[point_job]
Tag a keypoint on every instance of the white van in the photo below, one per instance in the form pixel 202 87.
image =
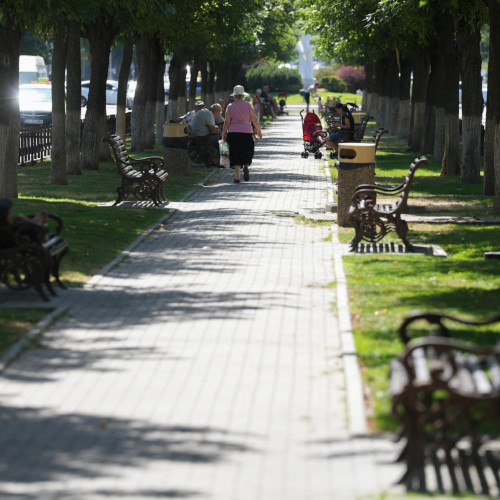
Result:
pixel 32 69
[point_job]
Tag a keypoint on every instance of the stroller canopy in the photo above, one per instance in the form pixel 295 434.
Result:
pixel 309 126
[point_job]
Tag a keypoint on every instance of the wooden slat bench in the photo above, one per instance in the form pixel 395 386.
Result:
pixel 30 255
pixel 142 178
pixel 444 392
pixel 372 220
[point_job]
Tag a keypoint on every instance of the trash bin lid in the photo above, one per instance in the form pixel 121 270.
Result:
pixel 174 130
pixel 356 152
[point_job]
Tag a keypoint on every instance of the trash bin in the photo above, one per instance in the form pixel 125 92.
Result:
pixel 356 165
pixel 175 151
pixel 357 117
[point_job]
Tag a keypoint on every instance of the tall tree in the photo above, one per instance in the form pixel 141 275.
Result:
pixel 58 170
pixel 15 17
pixel 101 31
pixel 73 100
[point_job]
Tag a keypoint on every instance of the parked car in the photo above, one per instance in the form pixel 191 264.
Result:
pixel 35 104
pixel 111 93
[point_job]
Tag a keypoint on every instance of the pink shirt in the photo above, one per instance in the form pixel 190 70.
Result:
pixel 240 117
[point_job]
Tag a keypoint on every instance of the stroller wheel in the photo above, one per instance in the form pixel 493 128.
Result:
pixel 306 155
pixel 319 155
pixel 302 154
pixel 333 155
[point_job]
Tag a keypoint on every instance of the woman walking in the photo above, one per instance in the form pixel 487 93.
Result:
pixel 239 134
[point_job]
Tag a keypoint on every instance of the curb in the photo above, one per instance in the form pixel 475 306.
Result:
pixel 105 270
pixel 14 351
pixel 356 413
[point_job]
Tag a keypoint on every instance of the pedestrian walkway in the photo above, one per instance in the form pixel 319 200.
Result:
pixel 209 362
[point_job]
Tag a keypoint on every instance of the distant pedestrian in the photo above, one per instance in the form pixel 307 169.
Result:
pixel 307 95
pixel 238 132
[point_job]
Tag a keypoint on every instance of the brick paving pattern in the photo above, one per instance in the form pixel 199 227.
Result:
pixel 207 364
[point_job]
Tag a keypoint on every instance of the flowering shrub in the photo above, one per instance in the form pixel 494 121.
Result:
pixel 353 77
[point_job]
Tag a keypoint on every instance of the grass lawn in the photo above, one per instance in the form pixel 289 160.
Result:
pixel 383 289
pixel 96 235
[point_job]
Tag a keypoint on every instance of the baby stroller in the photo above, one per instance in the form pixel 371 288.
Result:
pixel 282 103
pixel 310 133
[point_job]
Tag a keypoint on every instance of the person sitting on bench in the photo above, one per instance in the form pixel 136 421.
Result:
pixel 344 129
pixel 203 125
pixel 35 227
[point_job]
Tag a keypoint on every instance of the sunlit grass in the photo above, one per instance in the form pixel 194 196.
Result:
pixel 384 289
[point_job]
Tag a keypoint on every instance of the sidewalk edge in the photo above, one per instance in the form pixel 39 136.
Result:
pixel 356 412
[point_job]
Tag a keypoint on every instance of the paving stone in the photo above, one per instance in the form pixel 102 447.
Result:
pixel 207 363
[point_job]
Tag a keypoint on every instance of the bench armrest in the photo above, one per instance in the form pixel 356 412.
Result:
pixel 154 163
pixel 437 319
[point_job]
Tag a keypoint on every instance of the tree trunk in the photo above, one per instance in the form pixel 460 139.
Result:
pixel 59 55
pixel 100 34
pixel 493 100
pixel 392 92
pixel 156 64
pixel 431 100
pixel 160 101
pixel 419 91
pixel 439 136
pixel 491 155
pixel 439 60
pixel 369 89
pixel 404 114
pixel 177 75
pixel 204 81
pixel 211 82
pixel 379 113
pixel 469 41
pixel 73 100
pixel 121 99
pixel 10 40
pixel 195 69
pixel 451 159
pixel 138 120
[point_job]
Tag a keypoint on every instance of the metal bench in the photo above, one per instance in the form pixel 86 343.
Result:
pixel 377 135
pixel 372 220
pixel 445 395
pixel 31 254
pixel 142 178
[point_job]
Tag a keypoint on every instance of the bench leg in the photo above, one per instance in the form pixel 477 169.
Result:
pixel 402 230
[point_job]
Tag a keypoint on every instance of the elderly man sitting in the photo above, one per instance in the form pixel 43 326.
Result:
pixel 204 131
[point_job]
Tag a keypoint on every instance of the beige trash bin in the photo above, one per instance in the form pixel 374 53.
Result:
pixel 175 151
pixel 356 165
pixel 357 117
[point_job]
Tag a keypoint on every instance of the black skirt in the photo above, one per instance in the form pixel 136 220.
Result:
pixel 241 148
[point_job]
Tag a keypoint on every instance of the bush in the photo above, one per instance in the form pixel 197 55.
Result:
pixel 320 73
pixel 333 84
pixel 278 79
pixel 353 77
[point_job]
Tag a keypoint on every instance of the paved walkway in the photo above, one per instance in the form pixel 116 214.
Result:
pixel 208 363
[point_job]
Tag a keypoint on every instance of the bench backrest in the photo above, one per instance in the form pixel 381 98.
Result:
pixel 119 152
pixel 406 185
pixel 377 135
pixel 439 320
pixel 359 131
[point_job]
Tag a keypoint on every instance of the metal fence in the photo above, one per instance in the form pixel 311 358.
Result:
pixel 35 143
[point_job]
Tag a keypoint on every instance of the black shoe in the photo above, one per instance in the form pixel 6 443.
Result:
pixel 236 181
pixel 246 173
